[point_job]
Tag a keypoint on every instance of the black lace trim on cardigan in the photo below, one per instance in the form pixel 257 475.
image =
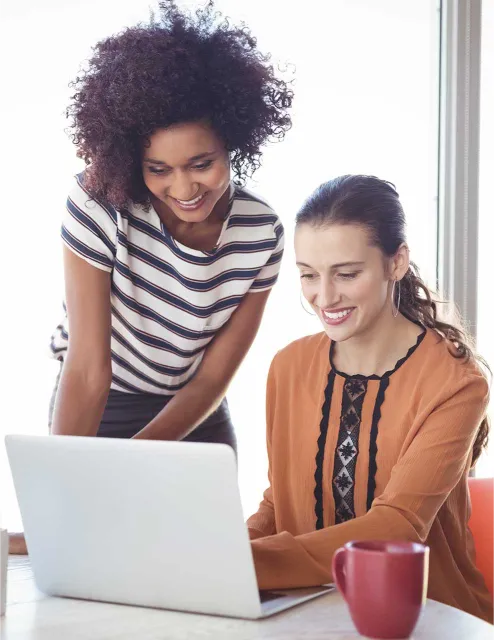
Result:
pixel 376 416
pixel 321 444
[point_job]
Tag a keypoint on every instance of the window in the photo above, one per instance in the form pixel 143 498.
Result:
pixel 486 218
pixel 366 102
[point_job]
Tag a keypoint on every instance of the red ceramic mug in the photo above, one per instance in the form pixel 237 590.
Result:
pixel 384 584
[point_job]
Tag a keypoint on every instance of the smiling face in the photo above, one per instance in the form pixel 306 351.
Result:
pixel 186 168
pixel 345 278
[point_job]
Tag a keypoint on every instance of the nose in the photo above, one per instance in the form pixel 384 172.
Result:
pixel 327 295
pixel 182 187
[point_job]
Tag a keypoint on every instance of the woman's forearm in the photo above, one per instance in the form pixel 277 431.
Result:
pixel 17 544
pixel 202 395
pixel 185 411
pixel 80 402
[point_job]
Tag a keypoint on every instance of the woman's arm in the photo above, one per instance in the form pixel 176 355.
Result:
pixel 86 373
pixel 436 460
pixel 202 395
pixel 17 544
pixel 263 522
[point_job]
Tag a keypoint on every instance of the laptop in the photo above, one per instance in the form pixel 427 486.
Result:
pixel 155 524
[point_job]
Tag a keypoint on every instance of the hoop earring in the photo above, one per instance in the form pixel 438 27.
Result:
pixel 396 307
pixel 302 305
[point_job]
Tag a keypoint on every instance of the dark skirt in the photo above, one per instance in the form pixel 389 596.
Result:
pixel 126 414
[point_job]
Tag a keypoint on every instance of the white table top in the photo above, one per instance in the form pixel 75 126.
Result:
pixel 33 616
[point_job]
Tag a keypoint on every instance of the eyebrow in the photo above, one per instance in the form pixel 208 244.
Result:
pixel 339 265
pixel 199 156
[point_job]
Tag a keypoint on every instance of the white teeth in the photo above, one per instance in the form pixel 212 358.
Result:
pixel 190 202
pixel 336 316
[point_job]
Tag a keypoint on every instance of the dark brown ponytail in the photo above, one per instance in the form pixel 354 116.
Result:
pixel 418 305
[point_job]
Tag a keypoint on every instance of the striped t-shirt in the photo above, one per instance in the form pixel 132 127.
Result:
pixel 167 300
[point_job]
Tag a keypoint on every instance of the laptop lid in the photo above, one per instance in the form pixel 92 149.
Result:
pixel 139 522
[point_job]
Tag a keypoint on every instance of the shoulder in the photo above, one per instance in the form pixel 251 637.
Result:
pixel 82 203
pixel 251 199
pixel 251 210
pixel 302 358
pixel 444 374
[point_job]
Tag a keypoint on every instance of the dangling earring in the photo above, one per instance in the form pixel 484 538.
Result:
pixel 302 304
pixel 396 307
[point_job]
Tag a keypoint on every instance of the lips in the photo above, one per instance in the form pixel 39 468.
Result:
pixel 190 205
pixel 338 316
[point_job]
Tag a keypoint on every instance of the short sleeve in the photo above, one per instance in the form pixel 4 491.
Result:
pixel 268 275
pixel 89 228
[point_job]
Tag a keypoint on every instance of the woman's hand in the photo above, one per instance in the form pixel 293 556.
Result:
pixel 17 544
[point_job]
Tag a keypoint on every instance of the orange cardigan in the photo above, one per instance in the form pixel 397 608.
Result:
pixel 370 458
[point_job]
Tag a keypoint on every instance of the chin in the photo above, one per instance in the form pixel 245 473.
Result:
pixel 343 332
pixel 338 336
pixel 192 217
pixel 199 215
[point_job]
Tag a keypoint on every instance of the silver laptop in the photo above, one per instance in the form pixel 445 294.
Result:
pixel 156 524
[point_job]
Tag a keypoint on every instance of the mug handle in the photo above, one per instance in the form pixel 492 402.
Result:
pixel 338 568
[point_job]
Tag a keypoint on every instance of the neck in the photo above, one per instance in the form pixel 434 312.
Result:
pixel 378 349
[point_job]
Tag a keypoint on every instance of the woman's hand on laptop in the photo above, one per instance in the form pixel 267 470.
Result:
pixel 17 544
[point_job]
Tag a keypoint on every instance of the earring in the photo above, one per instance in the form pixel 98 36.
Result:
pixel 396 307
pixel 302 304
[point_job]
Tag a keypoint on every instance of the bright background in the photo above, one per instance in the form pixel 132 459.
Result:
pixel 366 102
pixel 485 329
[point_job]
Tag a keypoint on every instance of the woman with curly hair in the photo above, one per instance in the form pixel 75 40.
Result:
pixel 168 262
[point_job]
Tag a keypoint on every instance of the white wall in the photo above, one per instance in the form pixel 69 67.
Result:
pixel 365 102
pixel 486 214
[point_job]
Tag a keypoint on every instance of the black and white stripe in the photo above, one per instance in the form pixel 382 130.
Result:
pixel 168 300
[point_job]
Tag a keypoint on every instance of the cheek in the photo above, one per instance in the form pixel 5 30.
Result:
pixel 151 182
pixel 309 289
pixel 367 291
pixel 218 177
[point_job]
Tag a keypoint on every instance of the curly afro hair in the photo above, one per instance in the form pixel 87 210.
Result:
pixel 180 67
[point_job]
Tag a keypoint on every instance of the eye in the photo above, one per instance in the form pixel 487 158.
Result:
pixel 158 172
pixel 348 276
pixel 202 165
pixel 307 276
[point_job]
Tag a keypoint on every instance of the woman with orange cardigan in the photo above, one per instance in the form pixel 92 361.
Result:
pixel 374 424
